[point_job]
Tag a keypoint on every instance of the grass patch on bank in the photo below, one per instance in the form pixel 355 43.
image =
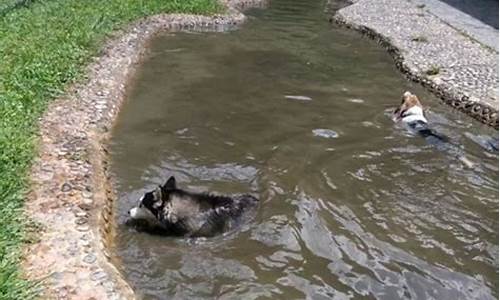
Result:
pixel 433 70
pixel 43 47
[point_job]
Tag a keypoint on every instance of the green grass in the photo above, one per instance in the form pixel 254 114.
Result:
pixel 420 39
pixel 433 70
pixel 44 45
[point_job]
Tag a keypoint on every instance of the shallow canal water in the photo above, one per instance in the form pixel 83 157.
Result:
pixel 352 205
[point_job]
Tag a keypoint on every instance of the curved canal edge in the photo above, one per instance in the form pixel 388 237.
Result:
pixel 458 69
pixel 71 198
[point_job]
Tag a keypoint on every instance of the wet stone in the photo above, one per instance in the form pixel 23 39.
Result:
pixel 85 243
pixel 72 250
pixel 88 201
pixel 89 258
pixel 82 228
pixel 81 214
pixel 66 187
pixel 46 175
pixel 109 286
pixel 98 276
pixel 81 221
pixel 57 275
pixel 325 133
pixel 85 206
pixel 85 237
pixel 355 100
pixel 87 194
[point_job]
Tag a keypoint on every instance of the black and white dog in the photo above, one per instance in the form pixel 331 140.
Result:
pixel 411 113
pixel 172 211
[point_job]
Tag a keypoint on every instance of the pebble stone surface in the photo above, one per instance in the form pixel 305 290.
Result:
pixel 458 69
pixel 71 199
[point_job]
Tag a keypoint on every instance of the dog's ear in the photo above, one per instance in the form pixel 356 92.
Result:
pixel 170 184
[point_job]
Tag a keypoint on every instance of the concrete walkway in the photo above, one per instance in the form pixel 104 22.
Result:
pixel 481 32
pixel 433 43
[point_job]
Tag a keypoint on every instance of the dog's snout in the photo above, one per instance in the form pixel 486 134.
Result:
pixel 128 212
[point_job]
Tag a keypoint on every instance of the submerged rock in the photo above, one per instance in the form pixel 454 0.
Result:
pixel 298 97
pixel 325 133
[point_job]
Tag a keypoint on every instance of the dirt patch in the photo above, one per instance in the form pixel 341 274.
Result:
pixel 71 198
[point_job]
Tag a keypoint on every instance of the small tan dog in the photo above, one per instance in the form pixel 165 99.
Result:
pixel 410 110
pixel 411 113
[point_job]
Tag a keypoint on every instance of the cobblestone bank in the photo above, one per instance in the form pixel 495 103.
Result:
pixel 71 198
pixel 461 71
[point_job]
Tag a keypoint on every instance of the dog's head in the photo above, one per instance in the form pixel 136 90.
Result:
pixel 410 105
pixel 153 205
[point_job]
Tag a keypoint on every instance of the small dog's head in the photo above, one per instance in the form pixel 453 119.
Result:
pixel 153 204
pixel 408 102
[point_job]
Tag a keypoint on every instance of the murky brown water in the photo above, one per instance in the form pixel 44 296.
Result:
pixel 361 209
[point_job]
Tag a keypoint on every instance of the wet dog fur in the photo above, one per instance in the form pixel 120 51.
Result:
pixel 411 113
pixel 169 210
